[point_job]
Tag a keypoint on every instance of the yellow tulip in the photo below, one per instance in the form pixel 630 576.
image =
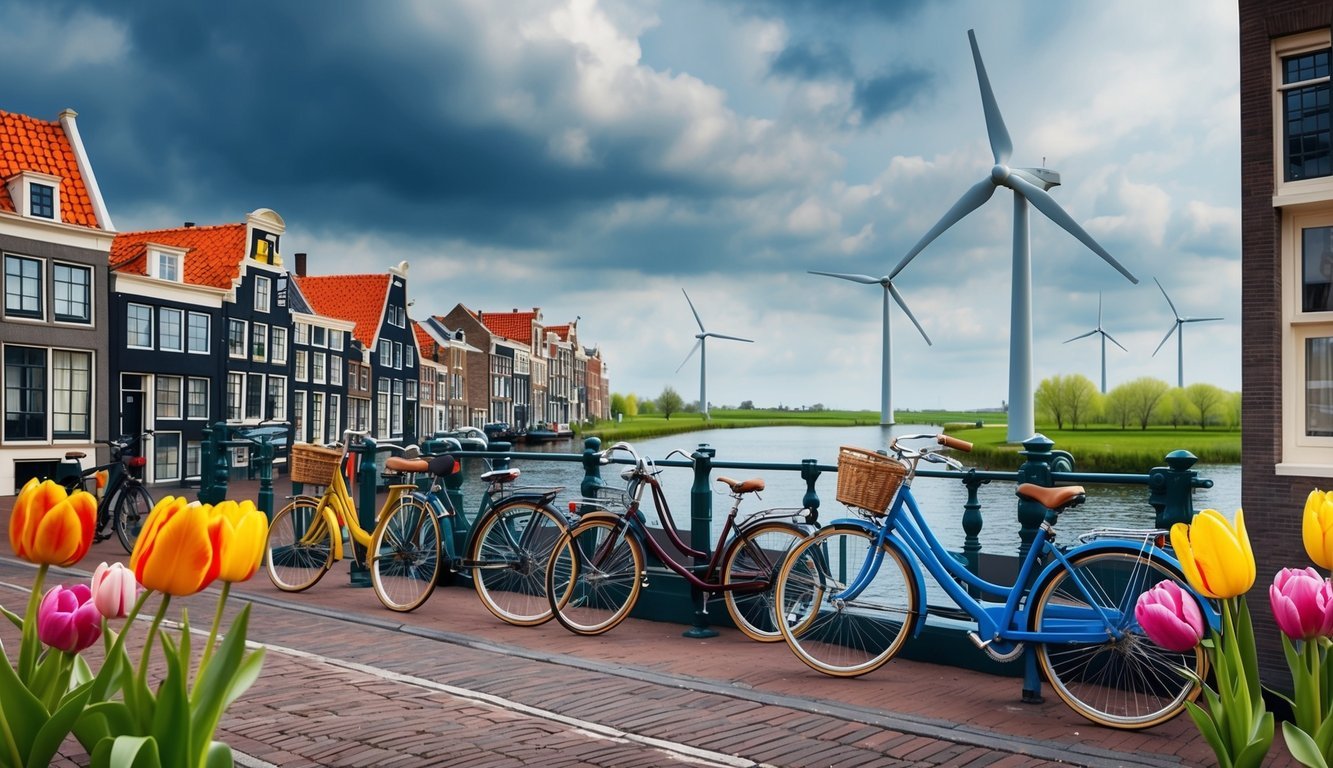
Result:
pixel 175 553
pixel 244 539
pixel 49 526
pixel 1317 528
pixel 1215 555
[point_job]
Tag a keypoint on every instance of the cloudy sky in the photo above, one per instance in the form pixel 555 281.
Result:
pixel 595 157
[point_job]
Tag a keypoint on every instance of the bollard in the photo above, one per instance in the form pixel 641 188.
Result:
pixel 500 446
pixel 701 524
pixel 972 523
pixel 1171 489
pixel 1036 470
pixel 367 477
pixel 810 474
pixel 214 477
pixel 265 500
pixel 592 483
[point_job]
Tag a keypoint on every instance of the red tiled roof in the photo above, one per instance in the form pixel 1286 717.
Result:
pixel 359 298
pixel 425 343
pixel 516 326
pixel 561 331
pixel 29 144
pixel 213 257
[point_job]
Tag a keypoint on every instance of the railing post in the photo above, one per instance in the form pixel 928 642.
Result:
pixel 810 474
pixel 701 525
pixel 367 477
pixel 972 522
pixel 1171 489
pixel 592 483
pixel 499 446
pixel 1036 470
pixel 216 474
pixel 265 500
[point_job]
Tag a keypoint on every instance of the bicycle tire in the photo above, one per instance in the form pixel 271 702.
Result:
pixel 757 554
pixel 595 575
pixel 405 555
pixel 1130 683
pixel 299 547
pixel 508 558
pixel 131 512
pixel 844 637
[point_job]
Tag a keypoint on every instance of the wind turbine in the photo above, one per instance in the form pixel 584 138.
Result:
pixel 885 400
pixel 1177 329
pixel 703 335
pixel 1029 185
pixel 1104 335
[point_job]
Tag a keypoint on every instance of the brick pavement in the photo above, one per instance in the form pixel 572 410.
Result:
pixel 347 683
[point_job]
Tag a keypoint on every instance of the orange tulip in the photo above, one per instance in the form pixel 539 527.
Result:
pixel 176 552
pixel 49 526
pixel 244 539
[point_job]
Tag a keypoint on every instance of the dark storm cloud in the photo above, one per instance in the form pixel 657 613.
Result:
pixel 880 96
pixel 882 10
pixel 811 61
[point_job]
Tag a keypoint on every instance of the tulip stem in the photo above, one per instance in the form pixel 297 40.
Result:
pixel 213 635
pixel 14 757
pixel 30 646
pixel 152 635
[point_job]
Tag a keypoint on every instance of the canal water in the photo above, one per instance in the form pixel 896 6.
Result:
pixel 941 500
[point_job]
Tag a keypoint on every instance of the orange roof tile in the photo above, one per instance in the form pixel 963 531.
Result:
pixel 29 144
pixel 358 298
pixel 561 331
pixel 213 256
pixel 516 326
pixel 424 341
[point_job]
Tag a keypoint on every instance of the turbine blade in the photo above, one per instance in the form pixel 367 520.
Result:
pixel 724 336
pixel 693 349
pixel 867 279
pixel 1047 205
pixel 1174 326
pixel 1000 144
pixel 971 200
pixel 1199 319
pixel 1169 303
pixel 898 297
pixel 692 309
pixel 1099 309
pixel 1081 336
pixel 1113 341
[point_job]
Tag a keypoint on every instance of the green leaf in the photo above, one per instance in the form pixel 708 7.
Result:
pixel 14 618
pixel 219 756
pixel 1323 738
pixel 1209 731
pixel 21 716
pixel 52 735
pixel 171 719
pixel 228 674
pixel 104 720
pixel 127 752
pixel 1302 747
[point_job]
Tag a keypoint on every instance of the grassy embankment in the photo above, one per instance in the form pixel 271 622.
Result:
pixel 1099 448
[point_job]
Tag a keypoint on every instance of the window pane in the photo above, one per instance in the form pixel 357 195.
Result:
pixel 139 326
pixel 23 286
pixel 1319 387
pixel 197 404
pixel 1306 113
pixel 25 393
pixel 262 291
pixel 43 200
pixel 277 398
pixel 72 379
pixel 169 332
pixel 279 350
pixel 168 396
pixel 166 456
pixel 199 332
pixel 235 383
pixel 236 338
pixel 259 342
pixel 72 293
pixel 254 396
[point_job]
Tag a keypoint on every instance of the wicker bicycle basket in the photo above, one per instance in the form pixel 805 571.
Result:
pixel 868 480
pixel 313 464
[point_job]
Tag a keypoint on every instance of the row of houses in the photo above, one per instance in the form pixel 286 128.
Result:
pixel 107 333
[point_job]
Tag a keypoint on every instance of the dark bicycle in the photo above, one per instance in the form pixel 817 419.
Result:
pixel 123 503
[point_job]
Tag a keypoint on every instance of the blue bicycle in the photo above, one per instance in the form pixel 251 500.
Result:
pixel 852 594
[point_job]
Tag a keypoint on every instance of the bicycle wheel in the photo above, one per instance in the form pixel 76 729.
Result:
pixel 300 546
pixel 131 513
pixel 1128 683
pixel 510 548
pixel 405 555
pixel 830 629
pixel 594 576
pixel 756 555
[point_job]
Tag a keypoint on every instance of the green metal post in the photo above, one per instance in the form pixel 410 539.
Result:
pixel 1171 489
pixel 265 500
pixel 367 477
pixel 810 474
pixel 207 457
pixel 501 462
pixel 1036 470
pixel 220 469
pixel 592 483
pixel 701 527
pixel 972 523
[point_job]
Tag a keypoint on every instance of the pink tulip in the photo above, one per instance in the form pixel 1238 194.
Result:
pixel 1302 603
pixel 67 619
pixel 114 590
pixel 1170 617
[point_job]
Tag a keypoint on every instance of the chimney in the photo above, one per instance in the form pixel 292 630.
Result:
pixel 300 265
pixel 189 225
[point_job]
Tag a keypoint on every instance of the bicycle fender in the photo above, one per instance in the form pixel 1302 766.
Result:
pixel 599 514
pixel 918 578
pixel 335 532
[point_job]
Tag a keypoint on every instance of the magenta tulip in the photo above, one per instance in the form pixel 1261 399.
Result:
pixel 114 590
pixel 1302 603
pixel 67 619
pixel 1170 617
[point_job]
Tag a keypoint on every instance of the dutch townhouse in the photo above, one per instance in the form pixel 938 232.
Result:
pixel 434 369
pixel 558 346
pixel 55 234
pixel 490 369
pixel 452 352
pixel 598 386
pixel 513 336
pixel 201 333
pixel 330 383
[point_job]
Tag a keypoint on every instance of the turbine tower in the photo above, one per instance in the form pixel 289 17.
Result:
pixel 1104 335
pixel 1029 185
pixel 885 396
pixel 1178 329
pixel 702 348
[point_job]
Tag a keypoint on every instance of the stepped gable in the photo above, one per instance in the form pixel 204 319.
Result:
pixel 515 326
pixel 41 146
pixel 213 256
pixel 358 298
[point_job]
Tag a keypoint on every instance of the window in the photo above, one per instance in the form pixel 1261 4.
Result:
pixel 365 378
pixel 193 457
pixel 411 389
pixel 235 385
pixel 169 332
pixel 277 398
pixel 385 353
pixel 358 413
pixel 42 200
pixel 166 456
pixel 236 338
pixel 168 397
pixel 336 340
pixel 316 414
pixel 335 372
pixel 409 357
pixel 396 408
pixel 198 333
pixel 298 417
pixel 259 342
pixel 317 365
pixel 139 326
pixel 196 401
pixel 302 333
pixel 72 293
pixel 23 287
pixel 263 293
pixel 167 266
pixel 318 336
pixel 300 365
pixel 1305 111
pixel 331 431
pixel 25 393
pixel 254 396
pixel 382 408
pixel 72 394
pixel 398 355
pixel 278 353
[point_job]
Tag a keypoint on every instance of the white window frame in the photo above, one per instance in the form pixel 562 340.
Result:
pixel 242 350
pixel 319 362
pixel 92 294
pixel 164 471
pixel 190 317
pixel 259 334
pixel 162 341
pixel 300 365
pixel 263 294
pixel 1302 454
pixel 166 264
pixel 278 345
pixel 152 324
pixel 208 394
pixel 302 333
pixel 1301 191
pixel 276 388
pixel 335 340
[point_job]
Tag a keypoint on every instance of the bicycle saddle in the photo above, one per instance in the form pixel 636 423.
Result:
pixel 500 476
pixel 753 485
pixel 75 454
pixel 401 464
pixel 1053 498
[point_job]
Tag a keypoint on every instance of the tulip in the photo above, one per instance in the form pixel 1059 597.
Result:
pixel 1302 603
pixel 114 589
pixel 67 619
pixel 1215 555
pixel 244 540
pixel 49 526
pixel 1170 617
pixel 175 553
pixel 1317 528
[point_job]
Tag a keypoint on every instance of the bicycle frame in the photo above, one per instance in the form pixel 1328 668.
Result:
pixel 337 508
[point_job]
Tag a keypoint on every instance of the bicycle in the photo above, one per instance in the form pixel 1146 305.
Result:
pixel 123 503
pixel 852 594
pixel 508 544
pixel 597 570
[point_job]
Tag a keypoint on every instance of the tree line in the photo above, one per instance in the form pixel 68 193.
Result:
pixel 1073 399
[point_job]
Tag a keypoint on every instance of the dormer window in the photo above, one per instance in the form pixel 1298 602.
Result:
pixel 42 200
pixel 35 195
pixel 166 263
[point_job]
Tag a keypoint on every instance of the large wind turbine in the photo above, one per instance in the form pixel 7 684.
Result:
pixel 1029 185
pixel 885 398
pixel 1104 335
pixel 702 348
pixel 1177 329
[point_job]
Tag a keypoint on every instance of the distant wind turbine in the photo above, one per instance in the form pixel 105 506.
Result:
pixel 885 398
pixel 1029 185
pixel 1104 335
pixel 1178 328
pixel 702 348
